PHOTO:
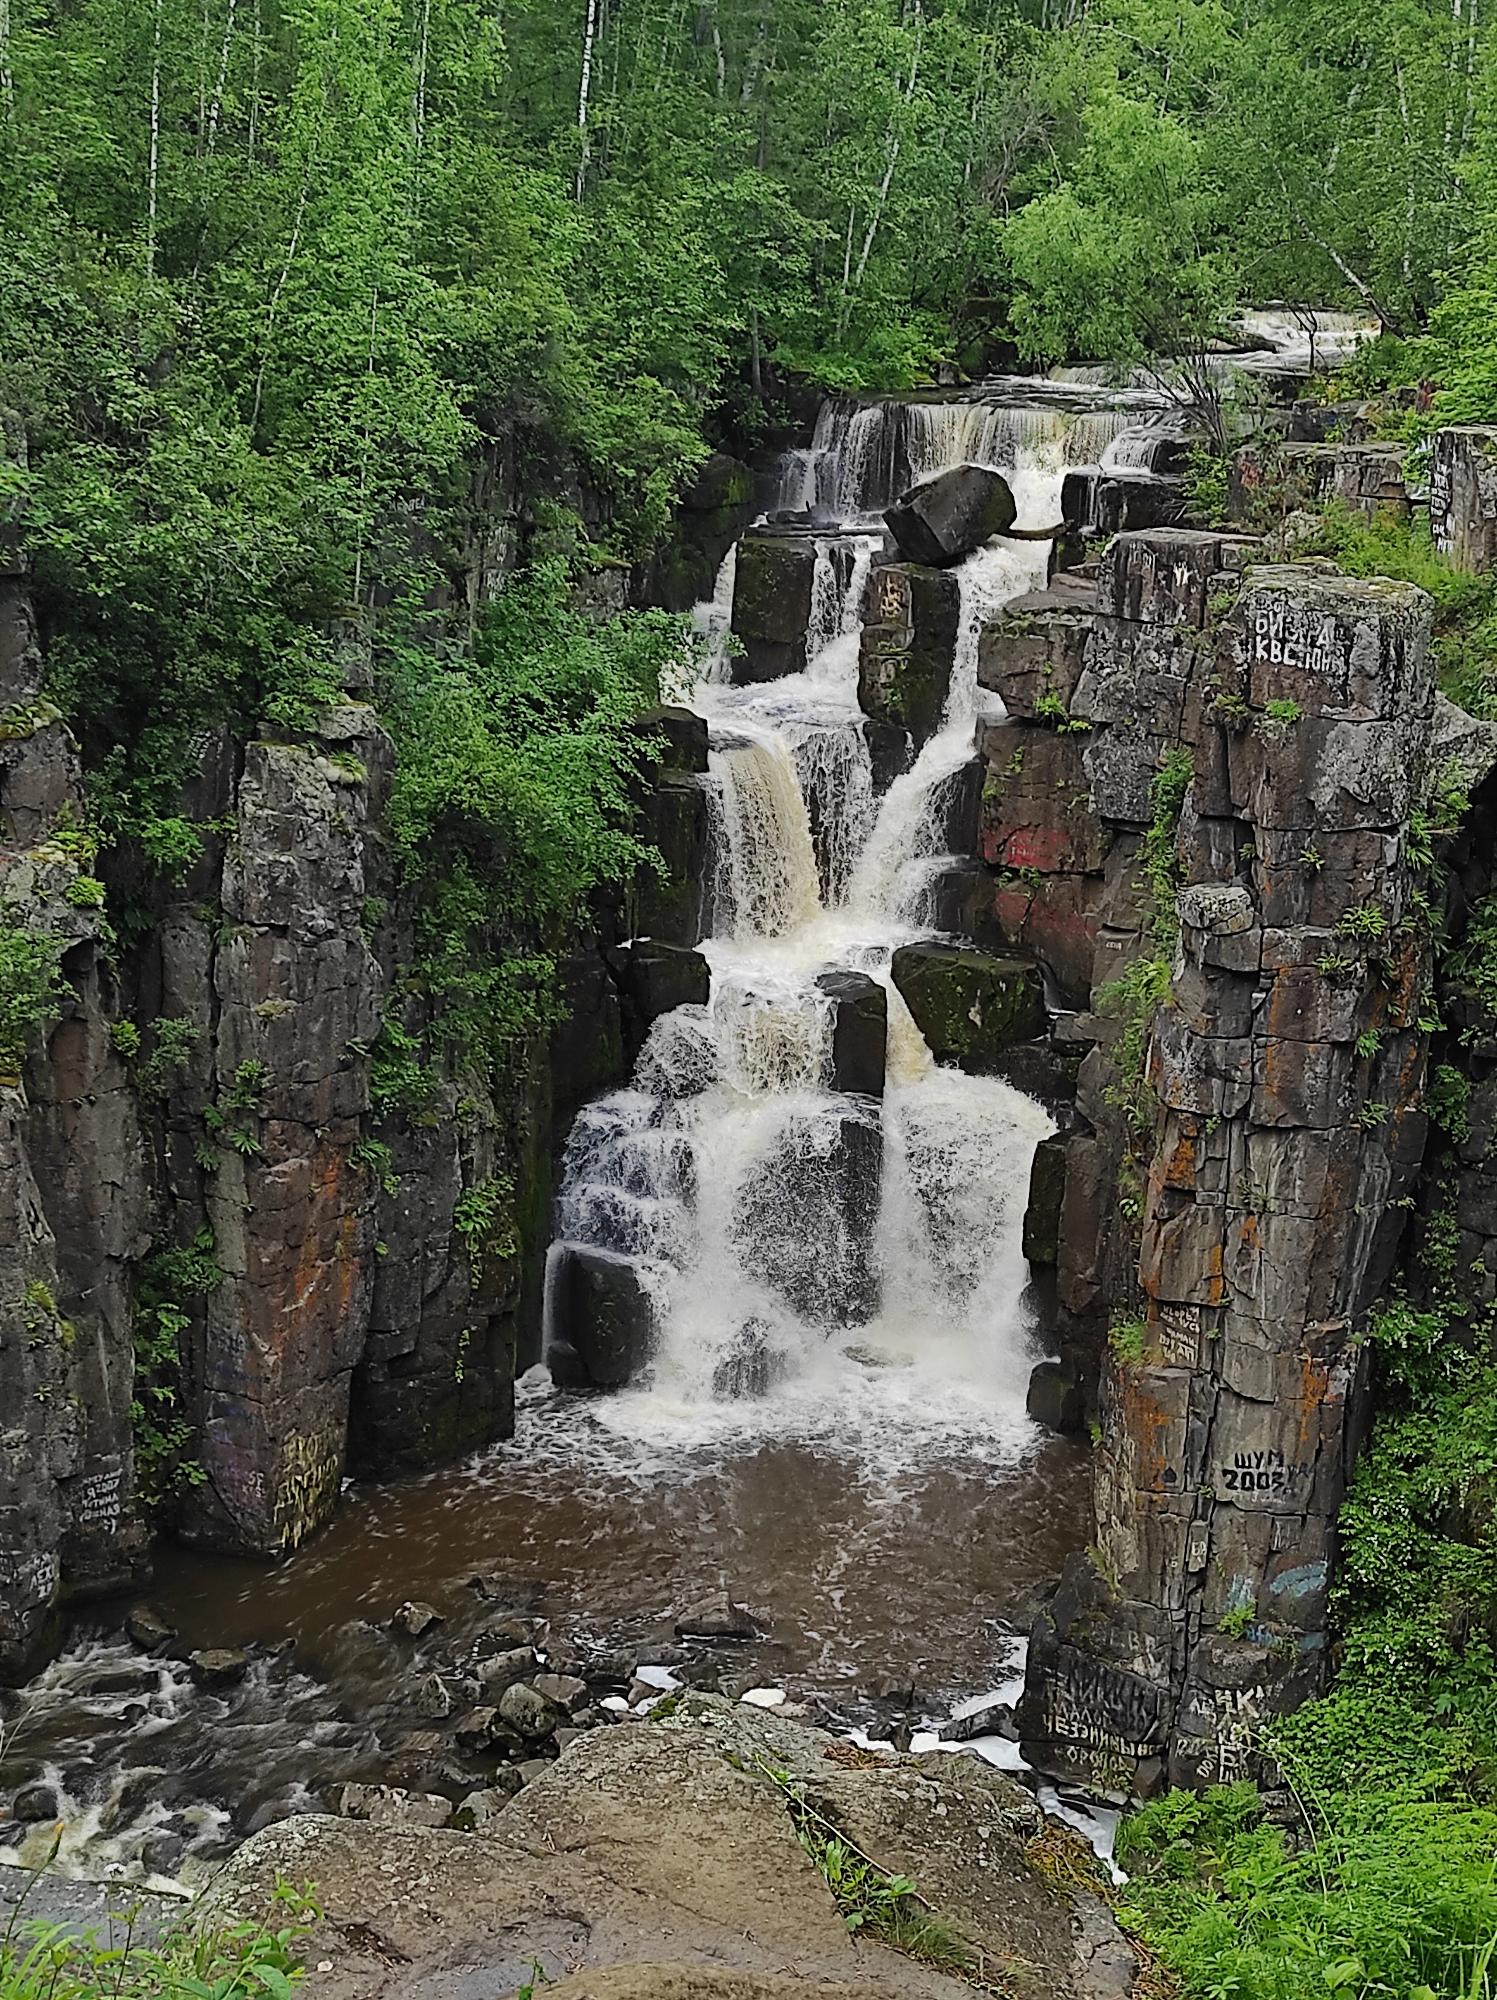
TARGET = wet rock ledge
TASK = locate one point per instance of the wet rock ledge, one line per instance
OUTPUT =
(666, 1860)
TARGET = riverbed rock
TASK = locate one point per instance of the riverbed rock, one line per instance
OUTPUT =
(218, 1666)
(480, 1809)
(772, 605)
(528, 1712)
(150, 1628)
(603, 1313)
(416, 1619)
(671, 1841)
(911, 617)
(391, 1805)
(501, 1670)
(568, 1691)
(970, 1006)
(945, 518)
(33, 1804)
(860, 1028)
(716, 1618)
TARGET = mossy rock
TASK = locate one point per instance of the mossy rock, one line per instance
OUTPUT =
(971, 1006)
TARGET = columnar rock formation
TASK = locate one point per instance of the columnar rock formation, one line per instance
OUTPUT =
(1275, 1126)
(1463, 495)
(72, 1187)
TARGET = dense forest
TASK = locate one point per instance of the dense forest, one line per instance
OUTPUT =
(276, 275)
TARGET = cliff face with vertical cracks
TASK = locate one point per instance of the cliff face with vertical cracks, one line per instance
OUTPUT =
(198, 1151)
(1262, 1118)
(72, 1188)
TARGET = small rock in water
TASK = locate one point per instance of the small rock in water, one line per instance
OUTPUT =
(433, 1697)
(504, 1635)
(476, 1727)
(416, 1619)
(34, 1803)
(502, 1670)
(877, 1357)
(997, 1719)
(150, 1628)
(718, 1618)
(218, 1666)
(528, 1712)
(478, 1808)
(161, 1852)
(566, 1690)
(388, 1805)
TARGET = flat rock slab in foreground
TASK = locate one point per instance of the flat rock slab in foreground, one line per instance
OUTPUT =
(660, 1859)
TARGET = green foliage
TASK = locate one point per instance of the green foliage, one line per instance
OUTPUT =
(512, 801)
(1465, 607)
(243, 1961)
(84, 892)
(1160, 858)
(873, 1903)
(1128, 1339)
(484, 1220)
(31, 989)
(171, 1282)
(1383, 1897)
(173, 1042)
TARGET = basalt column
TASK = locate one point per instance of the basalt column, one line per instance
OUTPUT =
(1287, 1064)
(71, 1184)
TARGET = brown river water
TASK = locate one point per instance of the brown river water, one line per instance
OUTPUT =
(875, 1554)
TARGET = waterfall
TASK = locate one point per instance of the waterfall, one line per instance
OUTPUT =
(765, 882)
(805, 1249)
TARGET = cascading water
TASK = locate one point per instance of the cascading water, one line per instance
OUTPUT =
(820, 1263)
(834, 1422)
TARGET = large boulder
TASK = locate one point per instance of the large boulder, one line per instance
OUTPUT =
(911, 617)
(772, 605)
(662, 1861)
(945, 518)
(970, 1006)
(603, 1325)
(655, 978)
(860, 1029)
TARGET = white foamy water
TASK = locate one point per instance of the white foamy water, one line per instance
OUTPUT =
(823, 1266)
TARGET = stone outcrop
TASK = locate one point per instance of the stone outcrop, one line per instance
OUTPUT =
(945, 518)
(911, 616)
(1283, 1074)
(1098, 502)
(971, 1007)
(1463, 495)
(604, 1325)
(1365, 479)
(859, 1031)
(772, 597)
(72, 1186)
(673, 1843)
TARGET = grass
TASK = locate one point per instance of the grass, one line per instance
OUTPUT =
(245, 1961)
(874, 1903)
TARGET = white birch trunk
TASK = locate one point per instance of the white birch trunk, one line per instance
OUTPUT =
(215, 108)
(418, 96)
(153, 156)
(584, 92)
(7, 82)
